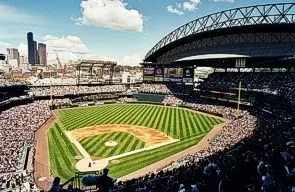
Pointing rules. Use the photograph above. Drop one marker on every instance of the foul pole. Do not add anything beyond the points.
(239, 98)
(50, 88)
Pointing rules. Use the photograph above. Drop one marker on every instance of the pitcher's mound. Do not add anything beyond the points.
(88, 164)
(111, 143)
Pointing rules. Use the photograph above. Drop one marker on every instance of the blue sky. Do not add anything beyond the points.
(124, 32)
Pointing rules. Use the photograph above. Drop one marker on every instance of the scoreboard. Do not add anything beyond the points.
(148, 74)
(168, 74)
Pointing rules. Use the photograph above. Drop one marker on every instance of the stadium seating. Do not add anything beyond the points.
(254, 151)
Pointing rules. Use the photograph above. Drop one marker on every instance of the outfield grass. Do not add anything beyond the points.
(126, 142)
(178, 123)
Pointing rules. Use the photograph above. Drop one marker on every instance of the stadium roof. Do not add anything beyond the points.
(268, 18)
(212, 56)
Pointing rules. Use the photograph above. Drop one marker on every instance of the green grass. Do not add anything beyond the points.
(62, 153)
(186, 125)
(137, 161)
(176, 122)
(126, 142)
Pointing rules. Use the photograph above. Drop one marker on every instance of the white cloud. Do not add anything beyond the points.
(23, 49)
(226, 1)
(112, 14)
(175, 10)
(69, 48)
(179, 9)
(191, 5)
(132, 60)
(65, 44)
(3, 46)
(13, 15)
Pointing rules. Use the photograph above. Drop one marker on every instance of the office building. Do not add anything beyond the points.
(31, 49)
(42, 54)
(12, 53)
(23, 59)
(36, 53)
(13, 57)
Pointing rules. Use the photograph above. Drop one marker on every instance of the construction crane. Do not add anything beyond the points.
(62, 69)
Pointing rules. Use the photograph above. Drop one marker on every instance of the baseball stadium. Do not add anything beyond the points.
(227, 128)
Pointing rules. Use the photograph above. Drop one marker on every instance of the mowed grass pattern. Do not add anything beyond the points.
(62, 152)
(175, 122)
(186, 125)
(95, 145)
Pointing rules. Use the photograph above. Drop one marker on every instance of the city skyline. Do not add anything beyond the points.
(136, 25)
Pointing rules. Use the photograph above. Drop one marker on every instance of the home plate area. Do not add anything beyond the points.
(99, 145)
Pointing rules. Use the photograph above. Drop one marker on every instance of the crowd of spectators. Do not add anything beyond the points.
(73, 90)
(53, 81)
(65, 101)
(7, 82)
(172, 100)
(17, 127)
(253, 152)
(154, 88)
(267, 82)
(176, 89)
(20, 182)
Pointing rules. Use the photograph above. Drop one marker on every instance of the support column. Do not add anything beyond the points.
(112, 73)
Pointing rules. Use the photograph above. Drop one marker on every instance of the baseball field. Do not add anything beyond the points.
(143, 134)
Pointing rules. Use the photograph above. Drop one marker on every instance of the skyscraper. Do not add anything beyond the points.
(31, 50)
(42, 54)
(13, 53)
(13, 57)
(36, 53)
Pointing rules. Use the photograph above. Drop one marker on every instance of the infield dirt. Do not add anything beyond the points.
(148, 135)
(42, 173)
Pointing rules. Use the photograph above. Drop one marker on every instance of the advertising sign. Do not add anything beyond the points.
(173, 72)
(148, 78)
(159, 79)
(159, 71)
(177, 80)
(148, 71)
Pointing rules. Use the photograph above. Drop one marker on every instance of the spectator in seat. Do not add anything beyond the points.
(105, 182)
(55, 185)
(128, 187)
(187, 186)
